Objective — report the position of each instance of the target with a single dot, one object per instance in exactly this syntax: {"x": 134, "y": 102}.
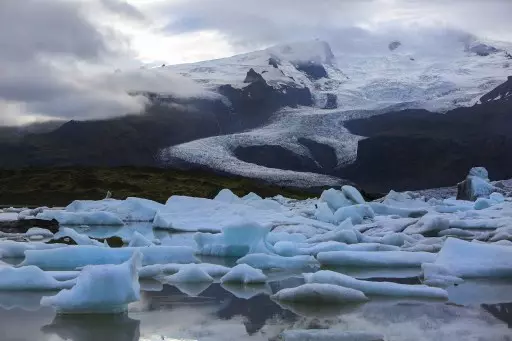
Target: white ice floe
{"x": 75, "y": 256}
{"x": 375, "y": 288}
{"x": 81, "y": 218}
{"x": 345, "y": 233}
{"x": 335, "y": 199}
{"x": 375, "y": 258}
{"x": 357, "y": 213}
{"x": 243, "y": 273}
{"x": 469, "y": 259}
{"x": 100, "y": 289}
{"x": 266, "y": 262}
{"x": 324, "y": 213}
{"x": 429, "y": 224}
{"x": 30, "y": 278}
{"x": 383, "y": 209}
{"x": 138, "y": 240}
{"x": 130, "y": 209}
{"x": 12, "y": 249}
{"x": 274, "y": 237}
{"x": 79, "y": 238}
{"x": 236, "y": 240}
{"x": 320, "y": 294}
{"x": 190, "y": 273}
{"x": 156, "y": 270}
{"x": 439, "y": 276}
{"x": 37, "y": 231}
{"x": 353, "y": 194}
{"x": 228, "y": 197}
{"x": 329, "y": 335}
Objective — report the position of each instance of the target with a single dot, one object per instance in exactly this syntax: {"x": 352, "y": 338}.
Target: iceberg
{"x": 81, "y": 218}
{"x": 78, "y": 238}
{"x": 156, "y": 270}
{"x": 335, "y": 199}
{"x": 30, "y": 278}
{"x": 12, "y": 249}
{"x": 266, "y": 262}
{"x": 190, "y": 273}
{"x": 320, "y": 293}
{"x": 236, "y": 240}
{"x": 130, "y": 210}
{"x": 469, "y": 259}
{"x": 357, "y": 213}
{"x": 37, "y": 231}
{"x": 375, "y": 258}
{"x": 353, "y": 194}
{"x": 138, "y": 240}
{"x": 227, "y": 196}
{"x": 329, "y": 335}
{"x": 243, "y": 273}
{"x": 324, "y": 213}
{"x": 375, "y": 288}
{"x": 428, "y": 224}
{"x": 75, "y": 256}
{"x": 345, "y": 233}
{"x": 383, "y": 209}
{"x": 438, "y": 276}
{"x": 100, "y": 289}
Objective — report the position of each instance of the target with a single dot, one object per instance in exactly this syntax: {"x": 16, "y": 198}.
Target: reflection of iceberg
{"x": 94, "y": 327}
{"x": 192, "y": 289}
{"x": 247, "y": 291}
{"x": 322, "y": 310}
{"x": 26, "y": 300}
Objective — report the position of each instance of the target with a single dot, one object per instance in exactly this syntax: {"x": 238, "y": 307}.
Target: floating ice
{"x": 156, "y": 270}
{"x": 100, "y": 289}
{"x": 138, "y": 240}
{"x": 324, "y": 213}
{"x": 30, "y": 278}
{"x": 357, "y": 213}
{"x": 439, "y": 276}
{"x": 37, "y": 231}
{"x": 374, "y": 288}
{"x": 81, "y": 218}
{"x": 466, "y": 259}
{"x": 131, "y": 209}
{"x": 329, "y": 335}
{"x": 274, "y": 237}
{"x": 345, "y": 233}
{"x": 12, "y": 249}
{"x": 320, "y": 293}
{"x": 428, "y": 224}
{"x": 190, "y": 273}
{"x": 236, "y": 240}
{"x": 497, "y": 197}
{"x": 375, "y": 258}
{"x": 243, "y": 273}
{"x": 80, "y": 239}
{"x": 335, "y": 199}
{"x": 264, "y": 261}
{"x": 383, "y": 209}
{"x": 75, "y": 256}
{"x": 227, "y": 197}
{"x": 353, "y": 194}
{"x": 483, "y": 203}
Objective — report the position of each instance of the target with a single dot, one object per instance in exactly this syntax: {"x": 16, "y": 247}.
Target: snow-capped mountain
{"x": 434, "y": 79}
{"x": 298, "y": 144}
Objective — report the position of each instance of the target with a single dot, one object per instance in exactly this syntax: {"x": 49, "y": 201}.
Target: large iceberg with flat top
{"x": 81, "y": 218}
{"x": 236, "y": 240}
{"x": 131, "y": 209}
{"x": 375, "y": 288}
{"x": 100, "y": 289}
{"x": 470, "y": 259}
{"x": 320, "y": 293}
{"x": 75, "y": 256}
{"x": 30, "y": 278}
{"x": 375, "y": 258}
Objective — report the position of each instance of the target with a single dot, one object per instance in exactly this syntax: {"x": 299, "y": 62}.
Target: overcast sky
{"x": 58, "y": 58}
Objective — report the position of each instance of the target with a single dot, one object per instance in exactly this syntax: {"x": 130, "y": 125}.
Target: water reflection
{"x": 94, "y": 327}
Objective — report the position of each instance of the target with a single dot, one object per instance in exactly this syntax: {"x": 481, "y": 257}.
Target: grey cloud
{"x": 123, "y": 8}
{"x": 264, "y": 22}
{"x": 54, "y": 63}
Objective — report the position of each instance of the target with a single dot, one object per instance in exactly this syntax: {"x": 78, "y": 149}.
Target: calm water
{"x": 233, "y": 313}
{"x": 479, "y": 310}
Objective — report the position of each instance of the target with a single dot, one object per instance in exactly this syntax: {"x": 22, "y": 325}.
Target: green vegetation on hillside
{"x": 59, "y": 186}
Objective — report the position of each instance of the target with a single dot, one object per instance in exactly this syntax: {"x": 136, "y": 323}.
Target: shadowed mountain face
{"x": 416, "y": 148}
{"x": 135, "y": 140}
